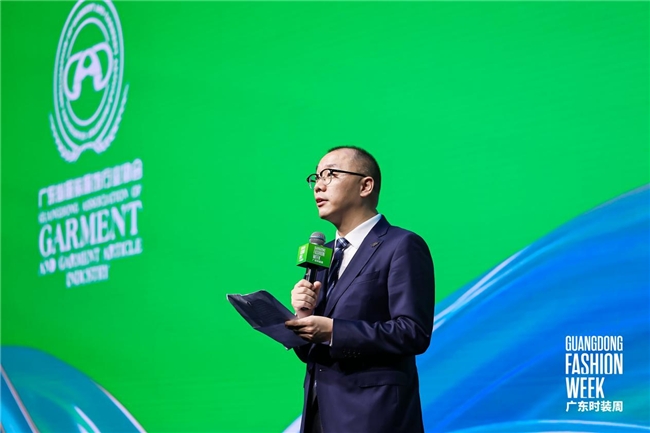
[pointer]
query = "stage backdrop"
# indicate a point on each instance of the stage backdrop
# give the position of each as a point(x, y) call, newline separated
point(154, 157)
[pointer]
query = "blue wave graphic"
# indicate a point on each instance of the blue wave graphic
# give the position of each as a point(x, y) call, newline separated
point(43, 393)
point(496, 363)
point(497, 356)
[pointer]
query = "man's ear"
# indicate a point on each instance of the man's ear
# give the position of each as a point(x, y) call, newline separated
point(367, 186)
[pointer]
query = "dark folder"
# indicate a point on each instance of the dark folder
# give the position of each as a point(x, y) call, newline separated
point(267, 315)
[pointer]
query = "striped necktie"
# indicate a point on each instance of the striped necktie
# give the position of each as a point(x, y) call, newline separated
point(333, 275)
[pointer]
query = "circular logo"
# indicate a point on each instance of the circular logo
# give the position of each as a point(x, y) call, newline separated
point(89, 96)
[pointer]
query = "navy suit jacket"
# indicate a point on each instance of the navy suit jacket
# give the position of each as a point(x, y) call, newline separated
point(382, 307)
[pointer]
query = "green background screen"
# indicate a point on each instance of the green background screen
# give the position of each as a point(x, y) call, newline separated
point(493, 123)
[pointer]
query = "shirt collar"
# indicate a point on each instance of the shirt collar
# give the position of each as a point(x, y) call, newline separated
point(356, 236)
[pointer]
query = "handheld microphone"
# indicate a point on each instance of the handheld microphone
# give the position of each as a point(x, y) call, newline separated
point(314, 256)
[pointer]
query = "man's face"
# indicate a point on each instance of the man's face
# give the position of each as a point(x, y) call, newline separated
point(342, 195)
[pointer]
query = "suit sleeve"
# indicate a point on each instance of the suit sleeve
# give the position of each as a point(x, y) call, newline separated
point(302, 352)
point(411, 298)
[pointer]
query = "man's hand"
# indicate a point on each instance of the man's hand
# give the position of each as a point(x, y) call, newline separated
point(315, 329)
point(304, 296)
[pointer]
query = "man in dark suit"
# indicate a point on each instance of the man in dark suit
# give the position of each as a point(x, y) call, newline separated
point(365, 318)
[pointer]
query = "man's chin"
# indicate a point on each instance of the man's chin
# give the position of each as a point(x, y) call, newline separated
point(324, 215)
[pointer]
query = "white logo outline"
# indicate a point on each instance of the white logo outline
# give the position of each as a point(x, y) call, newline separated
point(64, 123)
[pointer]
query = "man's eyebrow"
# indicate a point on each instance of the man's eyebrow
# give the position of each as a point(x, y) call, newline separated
point(328, 166)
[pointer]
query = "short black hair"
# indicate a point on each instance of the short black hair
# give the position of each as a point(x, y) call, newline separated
point(367, 164)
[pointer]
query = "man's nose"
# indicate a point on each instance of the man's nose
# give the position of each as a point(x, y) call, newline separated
point(320, 186)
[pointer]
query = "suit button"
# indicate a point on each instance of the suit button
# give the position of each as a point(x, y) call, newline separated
point(320, 369)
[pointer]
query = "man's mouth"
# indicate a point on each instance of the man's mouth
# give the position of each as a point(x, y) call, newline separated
point(320, 202)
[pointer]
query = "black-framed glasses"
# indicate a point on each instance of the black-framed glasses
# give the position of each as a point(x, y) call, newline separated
point(326, 175)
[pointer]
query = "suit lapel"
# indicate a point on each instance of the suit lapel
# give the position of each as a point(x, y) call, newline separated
point(368, 247)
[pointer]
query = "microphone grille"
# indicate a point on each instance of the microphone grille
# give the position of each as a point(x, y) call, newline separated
point(317, 238)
